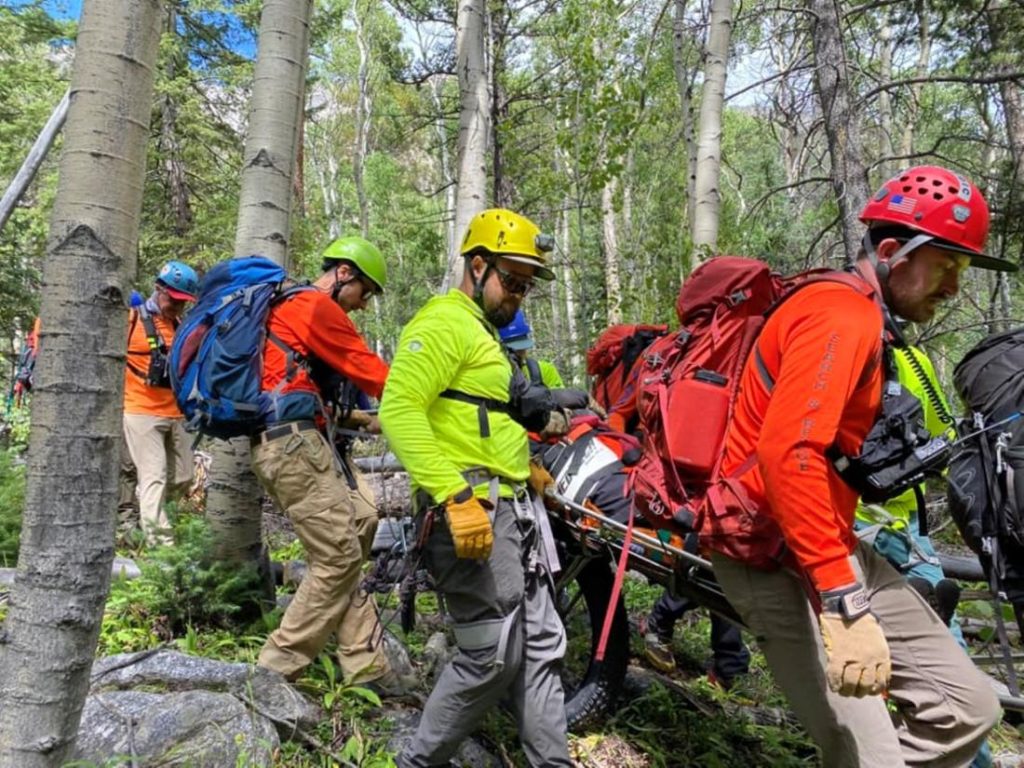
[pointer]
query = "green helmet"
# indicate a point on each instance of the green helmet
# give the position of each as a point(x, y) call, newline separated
point(363, 254)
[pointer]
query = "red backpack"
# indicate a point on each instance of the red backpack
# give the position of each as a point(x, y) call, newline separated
point(686, 389)
point(613, 356)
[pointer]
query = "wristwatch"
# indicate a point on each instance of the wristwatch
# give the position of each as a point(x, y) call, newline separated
point(849, 602)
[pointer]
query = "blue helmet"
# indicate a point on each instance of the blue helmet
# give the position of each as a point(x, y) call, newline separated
point(180, 280)
point(516, 335)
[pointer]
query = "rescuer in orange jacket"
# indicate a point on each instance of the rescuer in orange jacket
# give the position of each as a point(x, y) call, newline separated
point(839, 626)
point(311, 347)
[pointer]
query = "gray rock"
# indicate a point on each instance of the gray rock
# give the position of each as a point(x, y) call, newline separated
point(121, 567)
point(199, 729)
point(267, 692)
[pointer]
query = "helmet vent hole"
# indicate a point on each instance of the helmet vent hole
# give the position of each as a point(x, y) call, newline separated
point(938, 196)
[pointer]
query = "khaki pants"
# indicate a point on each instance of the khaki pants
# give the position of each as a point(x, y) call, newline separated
point(336, 526)
point(162, 453)
point(944, 706)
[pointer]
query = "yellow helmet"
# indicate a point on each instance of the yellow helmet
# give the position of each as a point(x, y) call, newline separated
point(503, 233)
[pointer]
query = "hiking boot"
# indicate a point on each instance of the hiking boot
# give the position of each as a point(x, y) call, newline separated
point(390, 685)
point(659, 652)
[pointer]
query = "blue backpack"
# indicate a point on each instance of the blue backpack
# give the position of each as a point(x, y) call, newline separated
point(216, 360)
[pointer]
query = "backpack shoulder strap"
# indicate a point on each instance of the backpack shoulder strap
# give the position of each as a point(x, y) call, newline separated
point(533, 368)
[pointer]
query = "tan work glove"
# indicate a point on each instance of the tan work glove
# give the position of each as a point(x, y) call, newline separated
point(470, 525)
point(558, 425)
point(361, 420)
point(856, 649)
point(593, 405)
point(540, 479)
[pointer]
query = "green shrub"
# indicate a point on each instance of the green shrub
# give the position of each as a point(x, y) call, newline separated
point(12, 502)
point(183, 585)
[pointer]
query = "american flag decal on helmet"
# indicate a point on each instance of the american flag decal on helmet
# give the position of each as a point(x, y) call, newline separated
point(902, 204)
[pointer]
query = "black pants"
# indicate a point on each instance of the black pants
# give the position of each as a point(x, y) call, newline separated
point(731, 657)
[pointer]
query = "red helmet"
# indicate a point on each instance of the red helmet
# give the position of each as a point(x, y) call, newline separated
point(937, 202)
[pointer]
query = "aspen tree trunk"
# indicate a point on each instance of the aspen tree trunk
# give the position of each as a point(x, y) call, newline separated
point(567, 282)
point(842, 125)
point(924, 53)
point(709, 139)
point(885, 45)
point(264, 227)
point(444, 163)
point(610, 246)
point(364, 111)
point(684, 83)
point(471, 192)
point(67, 537)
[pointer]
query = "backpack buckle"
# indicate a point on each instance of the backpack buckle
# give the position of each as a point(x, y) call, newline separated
point(737, 297)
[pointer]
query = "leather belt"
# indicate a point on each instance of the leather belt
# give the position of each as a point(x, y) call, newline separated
point(283, 429)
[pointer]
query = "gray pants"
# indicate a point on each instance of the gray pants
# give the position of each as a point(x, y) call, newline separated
point(944, 706)
point(510, 640)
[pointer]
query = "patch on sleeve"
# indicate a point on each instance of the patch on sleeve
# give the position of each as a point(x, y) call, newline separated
point(415, 345)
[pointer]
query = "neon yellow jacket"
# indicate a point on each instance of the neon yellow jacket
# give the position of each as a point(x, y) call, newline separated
point(449, 345)
point(904, 505)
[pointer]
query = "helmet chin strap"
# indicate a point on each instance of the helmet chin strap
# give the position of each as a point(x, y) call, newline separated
point(478, 284)
point(339, 284)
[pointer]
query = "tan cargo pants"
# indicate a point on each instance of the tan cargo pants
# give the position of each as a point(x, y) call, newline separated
point(336, 526)
point(943, 706)
point(161, 450)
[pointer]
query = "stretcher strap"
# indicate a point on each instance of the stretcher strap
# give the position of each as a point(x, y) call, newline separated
point(613, 600)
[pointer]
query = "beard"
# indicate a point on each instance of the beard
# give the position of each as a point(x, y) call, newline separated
point(500, 316)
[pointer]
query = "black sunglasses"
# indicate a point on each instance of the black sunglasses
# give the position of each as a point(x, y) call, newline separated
point(514, 284)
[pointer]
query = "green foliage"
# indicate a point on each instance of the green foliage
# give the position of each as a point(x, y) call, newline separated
point(12, 503)
point(182, 589)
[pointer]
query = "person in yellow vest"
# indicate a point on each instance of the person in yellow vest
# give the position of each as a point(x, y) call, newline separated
point(154, 428)
point(451, 418)
point(517, 338)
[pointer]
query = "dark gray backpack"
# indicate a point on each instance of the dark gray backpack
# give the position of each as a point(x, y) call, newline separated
point(986, 472)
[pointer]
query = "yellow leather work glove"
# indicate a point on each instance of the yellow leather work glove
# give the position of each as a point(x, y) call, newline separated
point(540, 479)
point(470, 525)
point(857, 652)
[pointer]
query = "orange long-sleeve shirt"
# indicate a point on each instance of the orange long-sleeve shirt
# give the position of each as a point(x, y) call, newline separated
point(314, 326)
point(823, 349)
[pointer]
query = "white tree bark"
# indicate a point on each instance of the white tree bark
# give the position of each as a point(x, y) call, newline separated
point(709, 137)
point(364, 113)
point(474, 106)
point(567, 281)
point(269, 165)
point(67, 537)
point(681, 47)
point(610, 246)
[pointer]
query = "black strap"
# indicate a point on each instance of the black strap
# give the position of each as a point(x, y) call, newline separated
point(295, 360)
point(533, 368)
point(483, 404)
